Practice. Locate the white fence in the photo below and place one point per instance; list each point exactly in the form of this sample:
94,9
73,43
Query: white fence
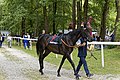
30,40
104,43
100,43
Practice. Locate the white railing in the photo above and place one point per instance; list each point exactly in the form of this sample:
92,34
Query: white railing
100,43
30,40
104,43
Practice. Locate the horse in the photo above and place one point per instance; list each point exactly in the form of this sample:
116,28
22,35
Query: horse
68,42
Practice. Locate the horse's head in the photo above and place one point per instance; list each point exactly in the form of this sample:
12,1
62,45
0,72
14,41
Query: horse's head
85,33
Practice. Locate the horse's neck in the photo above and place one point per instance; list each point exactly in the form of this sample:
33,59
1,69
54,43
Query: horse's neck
74,38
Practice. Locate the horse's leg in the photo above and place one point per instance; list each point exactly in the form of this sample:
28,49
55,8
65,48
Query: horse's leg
46,53
41,63
71,62
63,59
41,60
40,50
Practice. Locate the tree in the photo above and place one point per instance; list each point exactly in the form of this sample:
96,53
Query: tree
79,13
74,13
103,19
117,21
85,10
54,15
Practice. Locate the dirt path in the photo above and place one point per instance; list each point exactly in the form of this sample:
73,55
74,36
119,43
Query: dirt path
17,65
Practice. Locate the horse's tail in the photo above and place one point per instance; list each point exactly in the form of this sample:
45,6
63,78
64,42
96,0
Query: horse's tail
39,47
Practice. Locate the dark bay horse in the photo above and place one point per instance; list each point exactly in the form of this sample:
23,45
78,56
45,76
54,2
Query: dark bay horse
44,47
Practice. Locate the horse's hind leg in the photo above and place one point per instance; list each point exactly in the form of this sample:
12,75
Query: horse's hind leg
63,59
41,63
41,58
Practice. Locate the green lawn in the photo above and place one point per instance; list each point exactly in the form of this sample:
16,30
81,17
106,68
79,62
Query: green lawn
112,60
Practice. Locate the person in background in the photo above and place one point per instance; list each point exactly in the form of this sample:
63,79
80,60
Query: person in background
3,38
82,53
89,24
112,36
9,40
43,31
25,41
0,40
28,44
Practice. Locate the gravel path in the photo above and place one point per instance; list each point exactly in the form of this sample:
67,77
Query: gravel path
17,65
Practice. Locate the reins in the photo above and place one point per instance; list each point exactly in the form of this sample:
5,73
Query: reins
67,44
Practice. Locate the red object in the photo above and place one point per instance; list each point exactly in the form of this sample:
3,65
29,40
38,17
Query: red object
53,38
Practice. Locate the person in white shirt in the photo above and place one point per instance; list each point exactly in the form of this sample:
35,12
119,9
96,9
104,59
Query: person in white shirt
9,40
28,44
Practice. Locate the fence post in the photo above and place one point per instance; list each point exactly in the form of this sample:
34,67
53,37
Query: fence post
71,56
56,55
30,45
102,54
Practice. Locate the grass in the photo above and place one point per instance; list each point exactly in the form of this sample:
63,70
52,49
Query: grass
111,56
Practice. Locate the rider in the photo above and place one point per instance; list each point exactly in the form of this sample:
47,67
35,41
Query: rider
90,19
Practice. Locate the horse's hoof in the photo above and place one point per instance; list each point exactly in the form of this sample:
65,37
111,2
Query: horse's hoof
41,72
58,75
77,76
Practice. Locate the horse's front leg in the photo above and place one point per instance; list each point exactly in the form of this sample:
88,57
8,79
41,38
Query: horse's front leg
63,59
71,62
41,64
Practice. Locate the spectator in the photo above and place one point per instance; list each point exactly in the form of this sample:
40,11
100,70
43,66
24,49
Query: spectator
9,40
89,24
94,37
25,41
28,44
43,31
98,39
17,39
112,36
1,40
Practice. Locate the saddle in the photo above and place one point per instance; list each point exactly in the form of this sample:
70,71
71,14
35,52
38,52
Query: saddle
55,39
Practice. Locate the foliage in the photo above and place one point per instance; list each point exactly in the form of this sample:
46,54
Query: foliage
12,11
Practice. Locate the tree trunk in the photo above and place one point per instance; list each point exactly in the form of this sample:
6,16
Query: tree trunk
54,15
74,13
85,10
117,16
31,25
80,11
63,25
23,25
103,20
36,27
78,14
45,19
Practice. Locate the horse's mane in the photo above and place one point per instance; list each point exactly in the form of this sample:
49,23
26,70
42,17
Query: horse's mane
75,31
